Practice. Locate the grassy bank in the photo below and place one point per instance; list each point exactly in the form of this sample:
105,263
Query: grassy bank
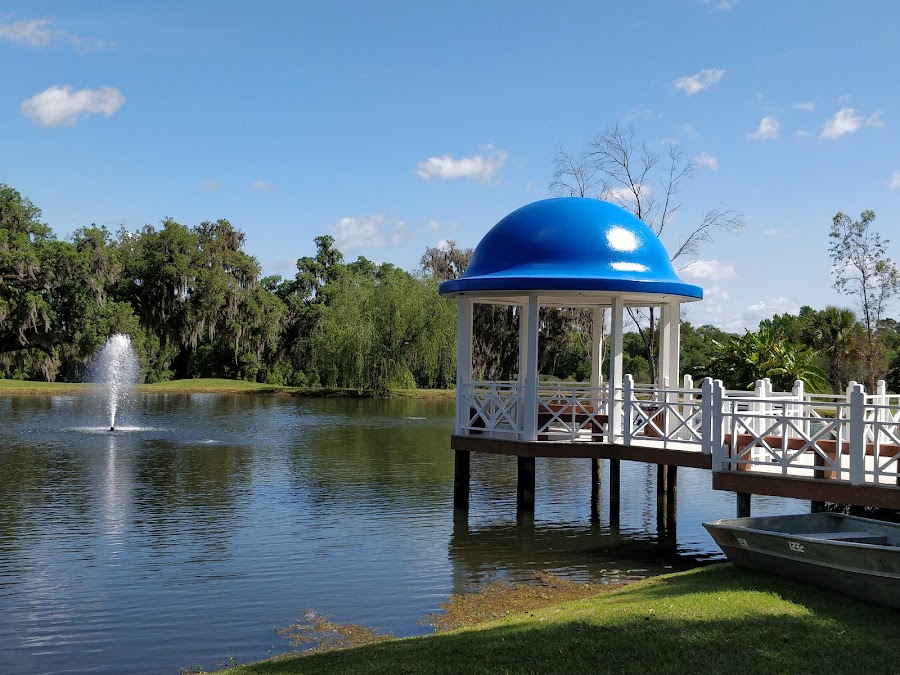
712,620
208,386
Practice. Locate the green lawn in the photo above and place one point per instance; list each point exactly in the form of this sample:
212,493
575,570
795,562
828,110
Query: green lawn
205,385
717,620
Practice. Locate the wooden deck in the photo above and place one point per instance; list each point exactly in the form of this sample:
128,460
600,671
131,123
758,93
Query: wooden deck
651,453
834,448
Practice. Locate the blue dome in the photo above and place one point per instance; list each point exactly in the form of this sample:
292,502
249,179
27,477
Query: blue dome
571,244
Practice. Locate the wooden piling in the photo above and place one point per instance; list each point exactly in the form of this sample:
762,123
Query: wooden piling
461,474
743,504
596,478
525,491
615,494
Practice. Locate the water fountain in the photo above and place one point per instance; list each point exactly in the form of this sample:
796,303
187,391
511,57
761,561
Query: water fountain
116,369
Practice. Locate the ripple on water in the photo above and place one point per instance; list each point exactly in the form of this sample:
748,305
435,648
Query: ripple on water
202,522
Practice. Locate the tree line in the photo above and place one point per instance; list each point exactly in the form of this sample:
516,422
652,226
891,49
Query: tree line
194,304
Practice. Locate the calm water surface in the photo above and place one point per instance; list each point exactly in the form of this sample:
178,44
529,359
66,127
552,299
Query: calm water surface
206,521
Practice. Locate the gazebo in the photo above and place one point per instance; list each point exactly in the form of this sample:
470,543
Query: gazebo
588,254
567,252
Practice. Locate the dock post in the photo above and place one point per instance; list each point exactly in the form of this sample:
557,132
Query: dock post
525,491
596,477
614,492
743,504
461,472
816,507
672,484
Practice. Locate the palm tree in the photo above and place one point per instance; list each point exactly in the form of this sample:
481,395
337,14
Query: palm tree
835,334
740,360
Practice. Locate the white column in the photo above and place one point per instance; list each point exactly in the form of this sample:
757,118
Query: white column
596,354
673,354
523,364
616,327
463,361
664,347
674,357
529,417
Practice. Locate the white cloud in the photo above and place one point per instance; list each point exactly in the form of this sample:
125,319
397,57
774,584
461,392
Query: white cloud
705,79
807,106
772,232
638,114
39,33
726,4
481,166
61,106
373,232
895,181
262,186
707,160
800,133
766,309
874,120
711,310
625,197
210,185
847,121
707,270
767,129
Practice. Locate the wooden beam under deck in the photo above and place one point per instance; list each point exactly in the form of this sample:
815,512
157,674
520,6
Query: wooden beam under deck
649,455
815,490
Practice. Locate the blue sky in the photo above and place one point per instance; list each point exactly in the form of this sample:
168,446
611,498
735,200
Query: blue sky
397,125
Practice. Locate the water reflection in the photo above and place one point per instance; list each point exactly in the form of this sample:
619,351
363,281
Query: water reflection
207,520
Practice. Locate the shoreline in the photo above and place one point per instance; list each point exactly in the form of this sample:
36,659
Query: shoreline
214,386
709,620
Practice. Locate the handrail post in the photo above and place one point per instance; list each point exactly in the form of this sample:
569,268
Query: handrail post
627,395
717,424
857,434
706,416
799,394
687,405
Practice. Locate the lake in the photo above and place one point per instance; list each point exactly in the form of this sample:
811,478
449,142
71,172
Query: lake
206,521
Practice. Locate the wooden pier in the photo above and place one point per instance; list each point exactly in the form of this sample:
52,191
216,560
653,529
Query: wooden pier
839,449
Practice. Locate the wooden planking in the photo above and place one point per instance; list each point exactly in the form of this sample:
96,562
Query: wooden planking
650,455
881,496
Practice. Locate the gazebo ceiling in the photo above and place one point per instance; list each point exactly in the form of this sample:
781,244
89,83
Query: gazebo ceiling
571,251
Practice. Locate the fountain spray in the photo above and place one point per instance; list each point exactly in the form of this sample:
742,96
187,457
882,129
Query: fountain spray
116,368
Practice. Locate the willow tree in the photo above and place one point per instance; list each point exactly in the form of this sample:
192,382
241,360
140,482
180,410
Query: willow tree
26,316
382,328
616,167
862,269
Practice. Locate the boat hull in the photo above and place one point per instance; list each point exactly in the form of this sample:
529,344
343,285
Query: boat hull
855,556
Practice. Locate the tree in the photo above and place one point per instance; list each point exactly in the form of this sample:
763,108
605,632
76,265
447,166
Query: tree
862,269
615,167
740,360
834,333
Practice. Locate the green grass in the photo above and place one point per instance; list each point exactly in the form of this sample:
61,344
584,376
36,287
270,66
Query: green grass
207,386
714,620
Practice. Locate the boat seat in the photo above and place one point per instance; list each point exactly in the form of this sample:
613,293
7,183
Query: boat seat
860,537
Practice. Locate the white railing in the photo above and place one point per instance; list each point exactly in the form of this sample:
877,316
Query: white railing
670,417
853,438
494,409
567,412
